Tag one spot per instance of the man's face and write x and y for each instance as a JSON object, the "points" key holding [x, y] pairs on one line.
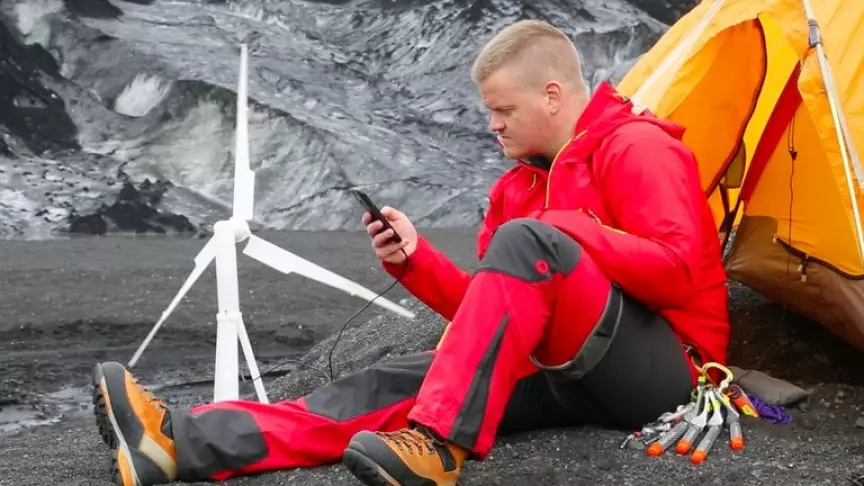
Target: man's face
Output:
{"points": [[520, 113]]}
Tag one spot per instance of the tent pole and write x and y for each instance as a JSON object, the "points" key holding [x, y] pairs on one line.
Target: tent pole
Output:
{"points": [[844, 138], [675, 59]]}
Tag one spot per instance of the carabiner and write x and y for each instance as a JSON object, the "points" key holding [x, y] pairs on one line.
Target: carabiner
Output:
{"points": [[723, 384]]}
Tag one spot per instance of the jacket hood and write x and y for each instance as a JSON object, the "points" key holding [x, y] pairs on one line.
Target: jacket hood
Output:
{"points": [[606, 111]]}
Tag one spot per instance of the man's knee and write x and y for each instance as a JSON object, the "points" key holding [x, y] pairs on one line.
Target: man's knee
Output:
{"points": [[531, 250]]}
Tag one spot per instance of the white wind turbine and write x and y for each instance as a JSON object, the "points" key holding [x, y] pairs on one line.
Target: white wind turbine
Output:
{"points": [[222, 248]]}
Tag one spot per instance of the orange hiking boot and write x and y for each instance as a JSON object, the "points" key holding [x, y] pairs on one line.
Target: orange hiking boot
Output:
{"points": [[408, 457], [137, 426]]}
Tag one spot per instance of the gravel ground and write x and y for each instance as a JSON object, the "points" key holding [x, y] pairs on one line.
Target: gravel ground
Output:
{"points": [[68, 304]]}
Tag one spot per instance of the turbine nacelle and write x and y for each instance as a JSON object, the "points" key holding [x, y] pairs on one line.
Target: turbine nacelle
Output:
{"points": [[239, 228]]}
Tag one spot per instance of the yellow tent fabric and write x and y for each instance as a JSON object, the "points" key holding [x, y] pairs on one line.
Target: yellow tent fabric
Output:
{"points": [[745, 81]]}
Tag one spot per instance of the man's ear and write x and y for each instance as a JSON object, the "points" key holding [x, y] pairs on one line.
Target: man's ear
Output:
{"points": [[553, 94]]}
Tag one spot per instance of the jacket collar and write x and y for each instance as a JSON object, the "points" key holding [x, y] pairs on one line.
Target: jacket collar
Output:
{"points": [[604, 98], [606, 110]]}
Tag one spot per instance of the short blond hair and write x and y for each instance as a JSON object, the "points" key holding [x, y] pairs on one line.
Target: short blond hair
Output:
{"points": [[547, 48]]}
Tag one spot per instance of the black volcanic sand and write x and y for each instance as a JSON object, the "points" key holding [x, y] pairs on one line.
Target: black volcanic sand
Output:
{"points": [[68, 304]]}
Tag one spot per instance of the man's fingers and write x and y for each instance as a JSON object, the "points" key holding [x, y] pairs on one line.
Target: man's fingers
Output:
{"points": [[380, 240], [385, 248], [383, 242], [387, 251], [389, 213], [373, 228]]}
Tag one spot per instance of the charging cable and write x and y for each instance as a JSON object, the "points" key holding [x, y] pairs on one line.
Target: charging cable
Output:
{"points": [[329, 374]]}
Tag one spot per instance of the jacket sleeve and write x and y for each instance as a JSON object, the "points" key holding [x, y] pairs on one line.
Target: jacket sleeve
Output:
{"points": [[433, 278], [650, 184]]}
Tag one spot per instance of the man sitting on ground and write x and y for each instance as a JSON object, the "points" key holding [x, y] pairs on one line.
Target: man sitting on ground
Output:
{"points": [[600, 279]]}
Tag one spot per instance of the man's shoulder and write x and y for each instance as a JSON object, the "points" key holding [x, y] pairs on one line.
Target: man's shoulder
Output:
{"points": [[642, 133], [644, 138], [632, 145]]}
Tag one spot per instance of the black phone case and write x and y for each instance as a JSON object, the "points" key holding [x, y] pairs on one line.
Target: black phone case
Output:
{"points": [[367, 203]]}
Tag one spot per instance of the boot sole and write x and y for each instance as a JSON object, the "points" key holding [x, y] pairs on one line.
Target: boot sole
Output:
{"points": [[100, 409], [371, 473], [113, 432], [367, 470]]}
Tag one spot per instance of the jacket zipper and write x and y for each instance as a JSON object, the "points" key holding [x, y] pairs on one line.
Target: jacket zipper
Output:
{"points": [[552, 166], [549, 177]]}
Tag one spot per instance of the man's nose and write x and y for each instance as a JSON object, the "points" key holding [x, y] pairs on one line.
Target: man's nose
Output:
{"points": [[496, 125]]}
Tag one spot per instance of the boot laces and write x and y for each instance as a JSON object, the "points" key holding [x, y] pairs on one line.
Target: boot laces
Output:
{"points": [[148, 395], [412, 440]]}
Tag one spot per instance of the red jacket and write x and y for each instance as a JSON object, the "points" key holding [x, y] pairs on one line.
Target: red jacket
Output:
{"points": [[628, 190]]}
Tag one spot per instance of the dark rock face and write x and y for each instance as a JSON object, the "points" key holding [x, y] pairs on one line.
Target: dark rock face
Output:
{"points": [[133, 211], [93, 8], [31, 112], [667, 11]]}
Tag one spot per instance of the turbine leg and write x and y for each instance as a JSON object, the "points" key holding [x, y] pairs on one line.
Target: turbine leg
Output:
{"points": [[250, 362], [226, 381]]}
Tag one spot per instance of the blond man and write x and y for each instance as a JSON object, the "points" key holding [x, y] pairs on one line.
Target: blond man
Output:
{"points": [[600, 283]]}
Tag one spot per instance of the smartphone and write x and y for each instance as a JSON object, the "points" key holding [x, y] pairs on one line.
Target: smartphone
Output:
{"points": [[367, 204]]}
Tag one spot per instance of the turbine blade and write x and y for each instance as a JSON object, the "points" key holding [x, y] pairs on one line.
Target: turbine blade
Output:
{"points": [[244, 178], [202, 261], [287, 262]]}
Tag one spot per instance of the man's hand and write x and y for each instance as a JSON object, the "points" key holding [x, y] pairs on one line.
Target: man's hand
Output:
{"points": [[389, 251]]}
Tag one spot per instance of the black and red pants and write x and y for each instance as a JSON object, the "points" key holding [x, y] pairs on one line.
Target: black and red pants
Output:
{"points": [[541, 339]]}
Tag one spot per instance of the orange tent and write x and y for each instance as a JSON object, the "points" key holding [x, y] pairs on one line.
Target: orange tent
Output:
{"points": [[767, 92]]}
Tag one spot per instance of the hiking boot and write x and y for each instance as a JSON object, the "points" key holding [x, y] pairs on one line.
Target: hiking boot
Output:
{"points": [[408, 457], [138, 428]]}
